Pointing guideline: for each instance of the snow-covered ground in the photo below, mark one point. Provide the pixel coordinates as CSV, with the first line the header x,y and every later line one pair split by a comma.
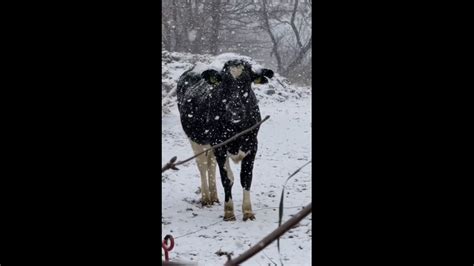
x,y
284,146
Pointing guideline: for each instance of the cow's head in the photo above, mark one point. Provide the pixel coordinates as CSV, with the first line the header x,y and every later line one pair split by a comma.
x,y
233,86
237,71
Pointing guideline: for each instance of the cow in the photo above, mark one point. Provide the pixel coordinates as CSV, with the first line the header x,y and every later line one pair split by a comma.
x,y
214,106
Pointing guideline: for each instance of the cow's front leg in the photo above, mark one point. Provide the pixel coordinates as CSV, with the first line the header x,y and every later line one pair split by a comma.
x,y
246,182
211,173
202,164
227,181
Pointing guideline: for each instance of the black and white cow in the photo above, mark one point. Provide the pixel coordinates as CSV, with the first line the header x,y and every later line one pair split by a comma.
x,y
214,106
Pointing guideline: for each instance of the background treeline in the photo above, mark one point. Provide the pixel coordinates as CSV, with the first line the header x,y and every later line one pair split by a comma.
x,y
276,33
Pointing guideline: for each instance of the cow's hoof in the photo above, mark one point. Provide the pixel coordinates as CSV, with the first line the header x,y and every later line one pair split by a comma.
x,y
229,217
250,216
216,200
206,202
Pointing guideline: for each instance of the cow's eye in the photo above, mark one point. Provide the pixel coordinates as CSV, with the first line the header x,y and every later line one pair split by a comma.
x,y
213,80
260,80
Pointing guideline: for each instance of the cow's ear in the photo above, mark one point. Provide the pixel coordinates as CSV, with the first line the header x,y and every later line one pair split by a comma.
x,y
212,76
261,77
267,73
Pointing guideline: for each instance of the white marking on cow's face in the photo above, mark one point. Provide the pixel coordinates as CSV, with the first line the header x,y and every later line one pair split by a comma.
x,y
236,71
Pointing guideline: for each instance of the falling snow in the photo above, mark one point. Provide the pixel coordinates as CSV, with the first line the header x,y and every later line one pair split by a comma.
x,y
284,146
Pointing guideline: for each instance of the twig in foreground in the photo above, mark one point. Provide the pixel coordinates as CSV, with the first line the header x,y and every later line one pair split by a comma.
x,y
173,165
170,164
271,237
280,212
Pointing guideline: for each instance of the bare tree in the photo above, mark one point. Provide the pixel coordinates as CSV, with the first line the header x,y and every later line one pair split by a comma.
x,y
204,26
166,37
289,45
216,14
271,31
275,40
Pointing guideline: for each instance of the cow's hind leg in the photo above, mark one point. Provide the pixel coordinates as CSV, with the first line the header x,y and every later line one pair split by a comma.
x,y
246,182
211,174
227,181
202,164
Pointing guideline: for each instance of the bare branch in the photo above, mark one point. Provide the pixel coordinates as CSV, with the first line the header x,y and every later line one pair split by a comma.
x,y
272,36
293,26
173,165
271,237
170,164
280,212
300,56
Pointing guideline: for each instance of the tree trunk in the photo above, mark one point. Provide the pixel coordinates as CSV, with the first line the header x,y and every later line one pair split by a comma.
x,y
216,22
177,36
267,27
166,38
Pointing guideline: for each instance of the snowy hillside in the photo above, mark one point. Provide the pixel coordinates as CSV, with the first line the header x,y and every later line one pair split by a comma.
x,y
284,146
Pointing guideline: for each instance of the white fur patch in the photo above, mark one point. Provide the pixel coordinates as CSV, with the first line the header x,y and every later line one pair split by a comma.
x,y
227,168
239,157
229,208
204,164
211,175
246,205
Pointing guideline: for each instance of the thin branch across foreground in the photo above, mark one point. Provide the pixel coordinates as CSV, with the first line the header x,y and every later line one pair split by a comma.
x,y
271,237
280,211
262,244
172,165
